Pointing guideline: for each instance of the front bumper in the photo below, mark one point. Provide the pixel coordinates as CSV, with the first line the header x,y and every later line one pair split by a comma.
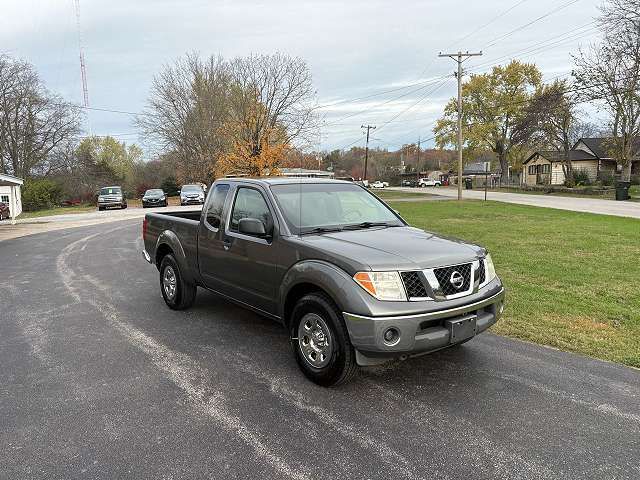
x,y
419,333
153,203
191,201
111,204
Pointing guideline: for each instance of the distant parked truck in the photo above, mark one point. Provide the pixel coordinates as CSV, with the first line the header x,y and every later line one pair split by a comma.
x,y
428,182
111,197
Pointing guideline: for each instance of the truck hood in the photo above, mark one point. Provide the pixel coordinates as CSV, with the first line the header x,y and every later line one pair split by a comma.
x,y
393,248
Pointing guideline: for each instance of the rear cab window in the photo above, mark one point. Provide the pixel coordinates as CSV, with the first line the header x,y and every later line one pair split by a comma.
x,y
213,214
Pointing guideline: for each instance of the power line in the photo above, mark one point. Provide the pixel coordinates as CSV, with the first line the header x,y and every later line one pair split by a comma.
x,y
528,24
357,99
497,17
380,104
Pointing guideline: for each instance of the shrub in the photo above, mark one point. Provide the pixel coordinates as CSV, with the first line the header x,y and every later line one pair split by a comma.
x,y
607,178
581,177
635,179
42,193
170,186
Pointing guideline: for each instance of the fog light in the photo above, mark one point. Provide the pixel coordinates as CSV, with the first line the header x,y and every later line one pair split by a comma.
x,y
391,336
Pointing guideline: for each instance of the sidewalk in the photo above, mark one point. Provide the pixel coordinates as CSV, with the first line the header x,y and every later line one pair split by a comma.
x,y
590,205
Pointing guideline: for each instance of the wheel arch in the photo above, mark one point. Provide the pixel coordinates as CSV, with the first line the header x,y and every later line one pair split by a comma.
x,y
168,243
315,275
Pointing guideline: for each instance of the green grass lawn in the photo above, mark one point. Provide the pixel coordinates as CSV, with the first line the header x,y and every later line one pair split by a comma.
x,y
572,279
58,211
391,194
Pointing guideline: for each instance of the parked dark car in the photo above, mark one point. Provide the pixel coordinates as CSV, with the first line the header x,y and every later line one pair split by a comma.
x,y
409,183
191,195
110,197
4,210
154,197
351,281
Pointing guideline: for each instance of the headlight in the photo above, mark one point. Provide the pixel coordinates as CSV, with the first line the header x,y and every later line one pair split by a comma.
x,y
490,270
382,285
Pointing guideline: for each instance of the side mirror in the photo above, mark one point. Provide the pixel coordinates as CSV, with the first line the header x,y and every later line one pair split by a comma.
x,y
253,227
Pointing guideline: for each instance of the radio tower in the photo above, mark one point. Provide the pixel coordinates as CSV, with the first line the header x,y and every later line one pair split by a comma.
x,y
83,70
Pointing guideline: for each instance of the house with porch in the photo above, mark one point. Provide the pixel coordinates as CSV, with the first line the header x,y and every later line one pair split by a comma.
x,y
588,155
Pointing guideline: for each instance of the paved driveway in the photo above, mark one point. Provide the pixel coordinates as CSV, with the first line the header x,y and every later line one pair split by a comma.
x,y
591,205
100,380
30,226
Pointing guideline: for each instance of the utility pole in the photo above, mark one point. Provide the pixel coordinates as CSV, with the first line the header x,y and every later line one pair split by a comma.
x,y
418,162
459,58
366,150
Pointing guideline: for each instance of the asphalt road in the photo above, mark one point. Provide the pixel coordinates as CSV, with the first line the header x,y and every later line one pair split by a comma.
x,y
99,379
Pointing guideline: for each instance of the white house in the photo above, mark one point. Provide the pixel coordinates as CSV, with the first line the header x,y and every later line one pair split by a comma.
x,y
10,193
587,155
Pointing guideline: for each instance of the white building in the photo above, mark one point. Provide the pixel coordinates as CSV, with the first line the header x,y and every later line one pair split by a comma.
x,y
10,193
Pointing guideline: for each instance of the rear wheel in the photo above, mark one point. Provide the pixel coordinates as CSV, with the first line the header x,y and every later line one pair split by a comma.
x,y
320,341
177,293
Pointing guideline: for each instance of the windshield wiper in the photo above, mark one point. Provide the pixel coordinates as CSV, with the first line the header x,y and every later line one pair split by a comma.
x,y
321,230
357,226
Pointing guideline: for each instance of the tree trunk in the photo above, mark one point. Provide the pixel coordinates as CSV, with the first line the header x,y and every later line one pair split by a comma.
x,y
626,172
504,166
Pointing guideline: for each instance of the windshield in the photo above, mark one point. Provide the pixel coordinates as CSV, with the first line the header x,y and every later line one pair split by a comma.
x,y
155,191
191,188
111,191
314,207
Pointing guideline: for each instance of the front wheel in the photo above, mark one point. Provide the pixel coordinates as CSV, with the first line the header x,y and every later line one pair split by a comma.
x,y
320,341
177,293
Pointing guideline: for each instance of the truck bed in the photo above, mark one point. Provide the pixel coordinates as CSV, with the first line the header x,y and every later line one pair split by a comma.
x,y
183,225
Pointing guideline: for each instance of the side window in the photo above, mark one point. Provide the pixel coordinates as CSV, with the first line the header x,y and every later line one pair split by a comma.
x,y
214,209
249,204
4,198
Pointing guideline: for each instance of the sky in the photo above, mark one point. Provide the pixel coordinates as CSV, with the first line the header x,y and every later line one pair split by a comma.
x,y
384,50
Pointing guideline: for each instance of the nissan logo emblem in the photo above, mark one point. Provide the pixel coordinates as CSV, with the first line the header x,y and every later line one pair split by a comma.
x,y
456,279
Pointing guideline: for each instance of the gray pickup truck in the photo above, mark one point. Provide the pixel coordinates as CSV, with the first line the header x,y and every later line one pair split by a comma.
x,y
351,281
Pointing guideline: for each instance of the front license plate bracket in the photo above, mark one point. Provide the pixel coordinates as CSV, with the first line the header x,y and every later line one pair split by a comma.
x,y
461,329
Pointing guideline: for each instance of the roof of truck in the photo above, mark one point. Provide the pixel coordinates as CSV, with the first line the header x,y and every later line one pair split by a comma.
x,y
280,180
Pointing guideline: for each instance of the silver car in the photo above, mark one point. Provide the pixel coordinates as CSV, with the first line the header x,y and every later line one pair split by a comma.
x,y
191,195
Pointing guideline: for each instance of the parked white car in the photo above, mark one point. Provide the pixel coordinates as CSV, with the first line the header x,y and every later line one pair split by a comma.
x,y
379,184
428,182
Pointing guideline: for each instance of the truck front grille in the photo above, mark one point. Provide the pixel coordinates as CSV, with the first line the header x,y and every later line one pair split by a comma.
x,y
446,275
413,284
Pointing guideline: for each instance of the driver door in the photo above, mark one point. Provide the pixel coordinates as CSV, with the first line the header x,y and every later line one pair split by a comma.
x,y
247,266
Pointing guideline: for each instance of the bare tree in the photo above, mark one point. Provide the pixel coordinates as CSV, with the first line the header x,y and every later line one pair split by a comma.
x,y
551,121
33,122
272,93
610,72
186,111
239,116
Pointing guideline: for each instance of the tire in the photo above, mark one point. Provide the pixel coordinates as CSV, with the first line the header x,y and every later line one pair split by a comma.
x,y
100,209
184,294
316,314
